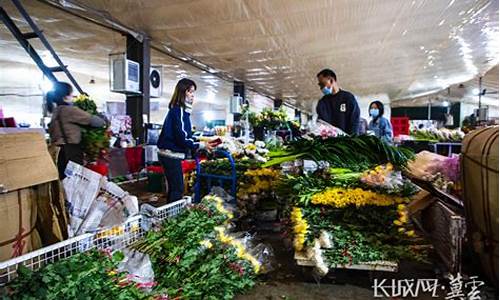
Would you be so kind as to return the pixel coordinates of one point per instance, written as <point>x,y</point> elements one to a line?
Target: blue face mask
<point>326,90</point>
<point>374,112</point>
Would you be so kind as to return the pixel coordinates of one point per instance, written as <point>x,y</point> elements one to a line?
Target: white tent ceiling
<point>399,48</point>
<point>467,92</point>
<point>85,47</point>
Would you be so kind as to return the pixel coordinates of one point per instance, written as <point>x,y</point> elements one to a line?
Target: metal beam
<point>26,45</point>
<point>46,43</point>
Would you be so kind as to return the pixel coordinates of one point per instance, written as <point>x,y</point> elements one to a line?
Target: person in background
<point>363,126</point>
<point>64,129</point>
<point>449,121</point>
<point>176,138</point>
<point>337,107</point>
<point>379,124</point>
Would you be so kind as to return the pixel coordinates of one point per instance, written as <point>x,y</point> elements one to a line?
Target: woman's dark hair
<point>380,107</point>
<point>57,94</point>
<point>179,96</point>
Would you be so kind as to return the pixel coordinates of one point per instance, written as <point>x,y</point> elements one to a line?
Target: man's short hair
<point>327,73</point>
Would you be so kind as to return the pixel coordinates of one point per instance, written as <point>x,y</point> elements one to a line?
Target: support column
<point>277,103</point>
<point>298,115</point>
<point>138,104</point>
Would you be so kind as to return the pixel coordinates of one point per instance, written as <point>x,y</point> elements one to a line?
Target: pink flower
<point>106,252</point>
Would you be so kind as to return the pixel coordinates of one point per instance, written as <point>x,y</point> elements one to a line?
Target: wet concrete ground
<point>291,282</point>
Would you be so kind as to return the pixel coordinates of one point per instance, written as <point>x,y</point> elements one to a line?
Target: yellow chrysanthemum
<point>403,218</point>
<point>342,197</point>
<point>206,243</point>
<point>398,223</point>
<point>300,228</point>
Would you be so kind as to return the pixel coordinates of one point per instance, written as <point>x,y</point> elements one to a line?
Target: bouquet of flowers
<point>95,141</point>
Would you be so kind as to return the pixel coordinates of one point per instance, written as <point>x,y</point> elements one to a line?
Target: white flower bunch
<point>325,239</point>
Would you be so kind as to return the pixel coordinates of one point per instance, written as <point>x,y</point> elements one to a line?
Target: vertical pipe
<point>429,109</point>
<point>480,90</point>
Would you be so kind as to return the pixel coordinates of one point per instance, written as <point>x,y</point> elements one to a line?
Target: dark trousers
<point>173,172</point>
<point>68,152</point>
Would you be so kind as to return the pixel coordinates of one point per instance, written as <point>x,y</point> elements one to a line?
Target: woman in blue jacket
<point>379,124</point>
<point>176,137</point>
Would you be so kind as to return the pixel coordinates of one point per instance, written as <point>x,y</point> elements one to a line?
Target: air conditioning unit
<point>125,74</point>
<point>155,81</point>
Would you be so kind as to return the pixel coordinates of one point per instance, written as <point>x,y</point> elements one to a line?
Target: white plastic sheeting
<point>467,92</point>
<point>399,48</point>
<point>402,48</point>
<point>84,47</point>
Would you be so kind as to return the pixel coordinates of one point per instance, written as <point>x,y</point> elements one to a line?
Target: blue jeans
<point>173,172</point>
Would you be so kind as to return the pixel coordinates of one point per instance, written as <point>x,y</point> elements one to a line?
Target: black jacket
<point>341,110</point>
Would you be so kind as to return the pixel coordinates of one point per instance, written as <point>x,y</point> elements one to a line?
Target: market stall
<point>272,192</point>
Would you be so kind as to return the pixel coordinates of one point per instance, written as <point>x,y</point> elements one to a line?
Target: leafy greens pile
<point>357,153</point>
<point>89,275</point>
<point>191,262</point>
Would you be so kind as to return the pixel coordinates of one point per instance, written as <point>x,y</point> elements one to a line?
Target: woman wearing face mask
<point>64,128</point>
<point>379,124</point>
<point>176,139</point>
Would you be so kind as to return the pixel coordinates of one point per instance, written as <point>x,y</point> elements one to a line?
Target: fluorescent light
<point>46,85</point>
<point>446,103</point>
<point>208,116</point>
<point>475,91</point>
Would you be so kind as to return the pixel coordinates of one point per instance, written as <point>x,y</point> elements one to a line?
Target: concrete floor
<point>303,290</point>
<point>290,282</point>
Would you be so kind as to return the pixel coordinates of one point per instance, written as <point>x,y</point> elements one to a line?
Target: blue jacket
<point>382,129</point>
<point>176,132</point>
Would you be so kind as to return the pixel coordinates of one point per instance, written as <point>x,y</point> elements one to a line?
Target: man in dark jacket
<point>337,107</point>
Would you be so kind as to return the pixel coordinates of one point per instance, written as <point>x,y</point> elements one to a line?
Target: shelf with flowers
<point>269,120</point>
<point>345,219</point>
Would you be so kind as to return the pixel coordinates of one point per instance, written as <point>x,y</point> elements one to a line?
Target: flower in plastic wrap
<point>320,265</point>
<point>451,168</point>
<point>325,239</point>
<point>325,130</point>
<point>260,144</point>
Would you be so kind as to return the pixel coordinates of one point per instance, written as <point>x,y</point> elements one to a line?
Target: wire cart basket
<point>115,238</point>
<point>201,176</point>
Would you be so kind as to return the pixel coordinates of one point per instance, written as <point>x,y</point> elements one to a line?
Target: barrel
<point>480,187</point>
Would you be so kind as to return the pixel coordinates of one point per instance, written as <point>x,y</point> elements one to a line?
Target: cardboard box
<point>18,234</point>
<point>24,159</point>
<point>27,172</point>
